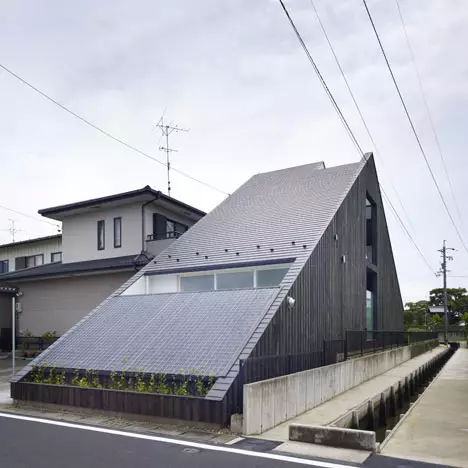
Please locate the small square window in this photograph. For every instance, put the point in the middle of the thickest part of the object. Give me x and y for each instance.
(56, 257)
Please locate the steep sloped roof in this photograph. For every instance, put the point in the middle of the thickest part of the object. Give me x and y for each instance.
(271, 210)
(164, 333)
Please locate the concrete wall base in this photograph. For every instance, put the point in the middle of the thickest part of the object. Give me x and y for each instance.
(333, 436)
(270, 402)
(237, 420)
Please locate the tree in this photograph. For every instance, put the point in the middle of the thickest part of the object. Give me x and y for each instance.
(457, 301)
(415, 314)
(464, 319)
(436, 322)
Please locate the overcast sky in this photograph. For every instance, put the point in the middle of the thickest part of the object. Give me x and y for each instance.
(233, 73)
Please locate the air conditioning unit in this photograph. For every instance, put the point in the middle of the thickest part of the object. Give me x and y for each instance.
(19, 307)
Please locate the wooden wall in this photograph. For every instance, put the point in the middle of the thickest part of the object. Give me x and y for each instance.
(331, 295)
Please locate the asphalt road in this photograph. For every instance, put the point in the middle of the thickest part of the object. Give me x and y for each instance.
(26, 442)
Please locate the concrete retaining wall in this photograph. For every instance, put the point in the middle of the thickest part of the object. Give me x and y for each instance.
(333, 436)
(270, 402)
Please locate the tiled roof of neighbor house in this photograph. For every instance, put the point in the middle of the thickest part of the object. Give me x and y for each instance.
(117, 197)
(56, 269)
(30, 241)
(262, 219)
(164, 333)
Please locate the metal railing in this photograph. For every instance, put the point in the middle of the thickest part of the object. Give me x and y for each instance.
(255, 369)
(360, 342)
(356, 343)
(34, 343)
(164, 235)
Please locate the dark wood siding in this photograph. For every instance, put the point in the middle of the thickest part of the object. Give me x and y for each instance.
(331, 294)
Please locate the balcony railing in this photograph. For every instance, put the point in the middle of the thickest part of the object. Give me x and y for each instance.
(163, 235)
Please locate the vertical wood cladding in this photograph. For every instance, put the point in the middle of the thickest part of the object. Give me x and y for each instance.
(331, 294)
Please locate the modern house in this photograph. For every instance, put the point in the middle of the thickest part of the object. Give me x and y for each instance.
(292, 258)
(59, 279)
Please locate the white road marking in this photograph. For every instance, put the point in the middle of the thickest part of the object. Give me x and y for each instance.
(234, 441)
(214, 448)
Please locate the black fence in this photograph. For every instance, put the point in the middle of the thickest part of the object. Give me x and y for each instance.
(34, 343)
(356, 343)
(261, 368)
(360, 342)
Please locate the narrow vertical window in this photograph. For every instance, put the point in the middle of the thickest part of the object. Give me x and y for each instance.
(371, 304)
(371, 231)
(117, 232)
(101, 234)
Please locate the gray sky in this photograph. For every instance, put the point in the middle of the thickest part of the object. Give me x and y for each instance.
(233, 72)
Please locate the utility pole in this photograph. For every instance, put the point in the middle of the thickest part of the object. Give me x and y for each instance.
(166, 130)
(443, 271)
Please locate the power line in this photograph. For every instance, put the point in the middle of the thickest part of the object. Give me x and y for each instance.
(322, 81)
(29, 216)
(347, 127)
(358, 109)
(413, 127)
(104, 132)
(405, 230)
(429, 116)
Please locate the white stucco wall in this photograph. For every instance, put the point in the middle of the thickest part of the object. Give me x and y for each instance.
(46, 247)
(79, 236)
(58, 304)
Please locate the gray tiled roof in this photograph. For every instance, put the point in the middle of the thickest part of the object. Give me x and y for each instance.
(57, 269)
(270, 210)
(164, 333)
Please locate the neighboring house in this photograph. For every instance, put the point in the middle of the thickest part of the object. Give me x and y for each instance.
(104, 241)
(292, 258)
(30, 253)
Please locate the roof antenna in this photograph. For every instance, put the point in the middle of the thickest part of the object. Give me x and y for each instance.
(167, 129)
(12, 230)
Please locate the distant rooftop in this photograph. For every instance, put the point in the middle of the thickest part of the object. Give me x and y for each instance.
(31, 241)
(144, 194)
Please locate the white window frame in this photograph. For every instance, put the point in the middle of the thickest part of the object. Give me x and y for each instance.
(232, 270)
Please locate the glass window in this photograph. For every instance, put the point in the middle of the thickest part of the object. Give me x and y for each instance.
(170, 228)
(235, 280)
(271, 277)
(369, 313)
(3, 266)
(117, 232)
(34, 260)
(197, 283)
(101, 235)
(56, 257)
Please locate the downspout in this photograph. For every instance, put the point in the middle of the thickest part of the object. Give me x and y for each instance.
(143, 226)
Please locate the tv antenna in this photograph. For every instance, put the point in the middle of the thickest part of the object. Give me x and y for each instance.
(167, 129)
(12, 229)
